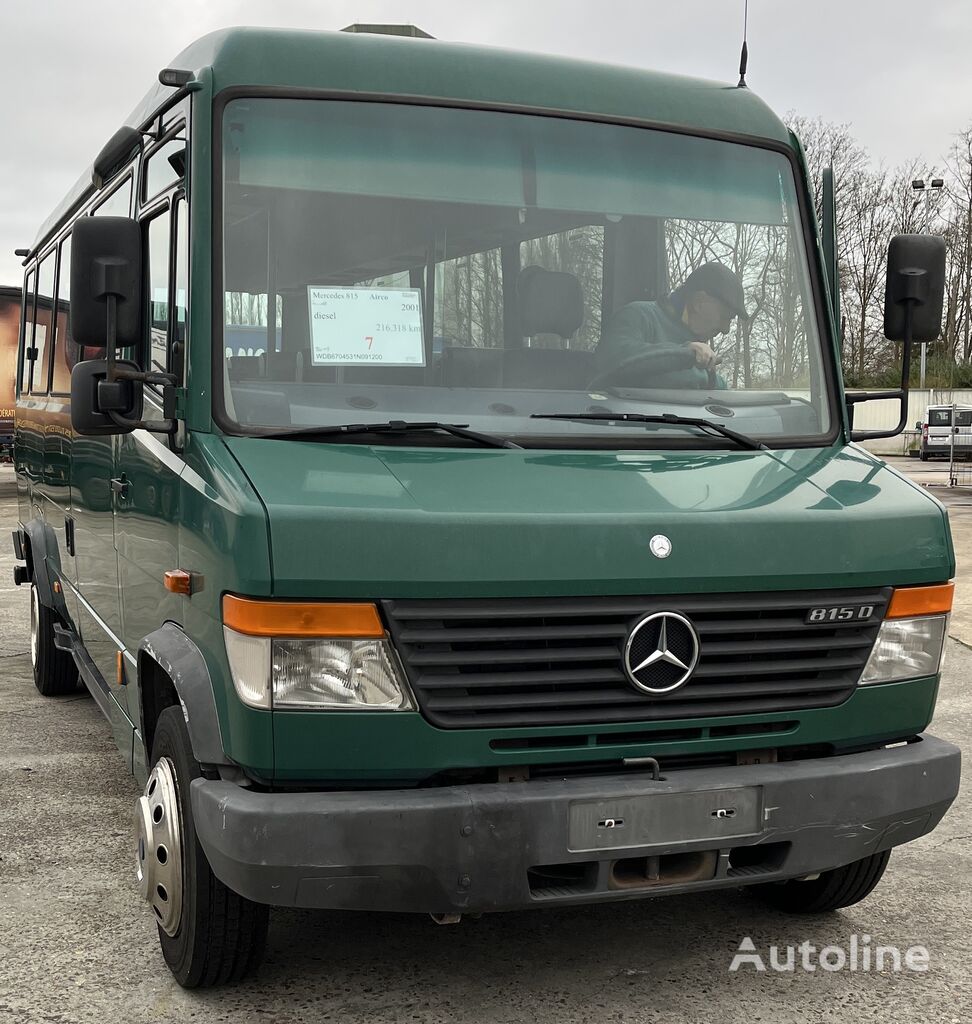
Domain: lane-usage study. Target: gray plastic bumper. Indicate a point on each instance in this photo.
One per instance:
(478, 848)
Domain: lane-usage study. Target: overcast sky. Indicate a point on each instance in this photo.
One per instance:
(899, 72)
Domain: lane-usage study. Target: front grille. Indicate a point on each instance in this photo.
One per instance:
(558, 661)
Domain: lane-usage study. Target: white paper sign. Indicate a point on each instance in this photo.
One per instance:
(366, 326)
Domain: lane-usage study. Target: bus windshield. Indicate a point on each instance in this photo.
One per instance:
(389, 261)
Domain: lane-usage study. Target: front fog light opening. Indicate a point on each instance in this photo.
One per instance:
(907, 649)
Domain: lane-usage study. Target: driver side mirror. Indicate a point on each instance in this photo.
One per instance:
(915, 288)
(913, 299)
(106, 279)
(106, 269)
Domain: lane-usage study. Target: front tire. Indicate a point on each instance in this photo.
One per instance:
(832, 890)
(209, 934)
(54, 671)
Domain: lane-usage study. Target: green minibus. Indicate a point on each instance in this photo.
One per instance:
(444, 484)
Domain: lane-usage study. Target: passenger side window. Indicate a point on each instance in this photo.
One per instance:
(26, 334)
(164, 166)
(64, 352)
(157, 276)
(43, 326)
(118, 204)
(180, 298)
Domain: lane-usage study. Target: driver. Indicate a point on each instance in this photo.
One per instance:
(703, 306)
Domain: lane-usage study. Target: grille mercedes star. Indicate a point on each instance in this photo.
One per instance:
(558, 661)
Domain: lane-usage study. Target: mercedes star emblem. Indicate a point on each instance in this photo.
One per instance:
(661, 652)
(660, 546)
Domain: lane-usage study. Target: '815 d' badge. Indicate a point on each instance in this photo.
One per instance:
(840, 613)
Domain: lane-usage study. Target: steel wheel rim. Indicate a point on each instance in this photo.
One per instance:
(158, 846)
(34, 625)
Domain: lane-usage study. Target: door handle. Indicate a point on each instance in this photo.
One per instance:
(119, 484)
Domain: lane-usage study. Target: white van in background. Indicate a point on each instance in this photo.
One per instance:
(937, 428)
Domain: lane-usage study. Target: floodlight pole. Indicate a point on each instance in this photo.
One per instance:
(926, 188)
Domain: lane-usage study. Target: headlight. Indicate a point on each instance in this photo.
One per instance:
(337, 674)
(907, 649)
(911, 641)
(280, 655)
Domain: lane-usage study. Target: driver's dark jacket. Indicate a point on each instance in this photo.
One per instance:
(655, 325)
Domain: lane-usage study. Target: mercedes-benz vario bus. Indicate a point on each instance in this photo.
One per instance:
(445, 486)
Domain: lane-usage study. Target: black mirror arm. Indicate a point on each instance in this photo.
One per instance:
(168, 380)
(148, 377)
(154, 426)
(908, 301)
(111, 333)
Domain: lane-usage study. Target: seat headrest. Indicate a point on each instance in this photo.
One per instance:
(550, 302)
(246, 367)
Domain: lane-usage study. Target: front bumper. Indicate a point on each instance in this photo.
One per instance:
(579, 840)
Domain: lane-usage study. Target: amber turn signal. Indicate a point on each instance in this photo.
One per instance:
(301, 618)
(179, 582)
(908, 602)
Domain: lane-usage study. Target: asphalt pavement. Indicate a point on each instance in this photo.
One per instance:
(77, 945)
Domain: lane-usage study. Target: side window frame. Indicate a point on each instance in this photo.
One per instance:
(27, 315)
(57, 339)
(162, 207)
(38, 389)
(179, 249)
(171, 131)
(127, 179)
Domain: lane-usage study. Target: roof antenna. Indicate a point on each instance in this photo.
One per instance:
(744, 55)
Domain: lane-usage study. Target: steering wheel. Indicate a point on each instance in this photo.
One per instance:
(648, 364)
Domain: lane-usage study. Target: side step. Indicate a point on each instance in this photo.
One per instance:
(68, 641)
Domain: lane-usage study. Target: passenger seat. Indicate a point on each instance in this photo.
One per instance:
(549, 302)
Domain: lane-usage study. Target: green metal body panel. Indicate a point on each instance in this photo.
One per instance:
(352, 521)
(389, 66)
(223, 537)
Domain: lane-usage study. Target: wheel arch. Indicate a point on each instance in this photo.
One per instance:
(172, 671)
(41, 553)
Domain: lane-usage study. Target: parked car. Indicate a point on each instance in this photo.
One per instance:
(940, 424)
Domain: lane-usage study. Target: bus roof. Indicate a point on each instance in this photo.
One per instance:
(396, 66)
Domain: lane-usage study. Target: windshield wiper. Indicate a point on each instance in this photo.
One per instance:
(394, 427)
(666, 418)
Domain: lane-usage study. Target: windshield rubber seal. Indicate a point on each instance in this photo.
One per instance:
(827, 345)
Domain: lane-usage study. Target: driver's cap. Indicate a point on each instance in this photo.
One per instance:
(718, 280)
